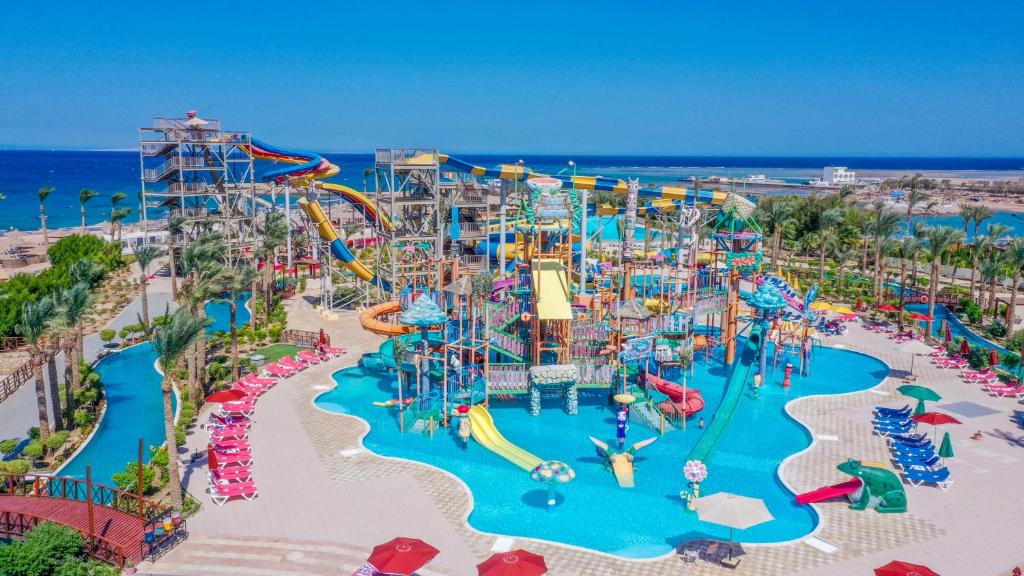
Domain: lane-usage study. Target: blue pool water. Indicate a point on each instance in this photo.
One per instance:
(956, 328)
(134, 410)
(219, 314)
(134, 405)
(649, 519)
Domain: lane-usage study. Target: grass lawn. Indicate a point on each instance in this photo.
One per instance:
(275, 352)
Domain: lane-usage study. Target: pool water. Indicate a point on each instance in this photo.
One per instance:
(219, 314)
(135, 409)
(594, 512)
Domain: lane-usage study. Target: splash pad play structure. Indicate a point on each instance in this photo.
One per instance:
(523, 349)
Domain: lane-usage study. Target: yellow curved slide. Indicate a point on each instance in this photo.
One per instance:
(483, 430)
(368, 320)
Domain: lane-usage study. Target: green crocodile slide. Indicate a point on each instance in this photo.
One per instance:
(734, 387)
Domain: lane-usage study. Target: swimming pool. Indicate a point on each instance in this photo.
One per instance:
(219, 314)
(134, 410)
(956, 328)
(648, 520)
(135, 406)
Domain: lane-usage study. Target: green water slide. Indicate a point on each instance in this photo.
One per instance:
(734, 387)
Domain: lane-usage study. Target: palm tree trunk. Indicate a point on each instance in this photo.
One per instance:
(864, 259)
(776, 244)
(42, 220)
(903, 287)
(201, 357)
(41, 409)
(878, 274)
(932, 291)
(974, 270)
(173, 474)
(83, 217)
(143, 285)
(821, 264)
(234, 339)
(172, 264)
(1012, 308)
(51, 373)
(69, 383)
(993, 304)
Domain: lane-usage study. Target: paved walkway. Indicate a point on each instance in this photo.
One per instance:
(18, 413)
(325, 501)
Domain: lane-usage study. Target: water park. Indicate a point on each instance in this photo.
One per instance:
(583, 368)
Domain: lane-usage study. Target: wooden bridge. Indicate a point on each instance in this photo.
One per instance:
(118, 527)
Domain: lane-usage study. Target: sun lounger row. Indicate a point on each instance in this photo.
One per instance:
(914, 454)
(288, 366)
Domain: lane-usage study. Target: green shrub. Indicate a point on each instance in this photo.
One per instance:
(979, 357)
(56, 440)
(84, 418)
(128, 479)
(160, 320)
(15, 466)
(973, 313)
(997, 330)
(8, 446)
(34, 449)
(46, 547)
(33, 432)
(275, 332)
(107, 334)
(123, 333)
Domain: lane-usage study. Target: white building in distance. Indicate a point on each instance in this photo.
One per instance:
(838, 176)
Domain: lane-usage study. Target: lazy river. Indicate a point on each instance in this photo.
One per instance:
(595, 513)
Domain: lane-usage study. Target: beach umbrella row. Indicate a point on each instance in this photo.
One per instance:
(404, 556)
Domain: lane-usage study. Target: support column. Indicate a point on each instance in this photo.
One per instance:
(534, 400)
(572, 398)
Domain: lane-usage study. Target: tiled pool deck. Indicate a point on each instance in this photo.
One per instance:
(324, 501)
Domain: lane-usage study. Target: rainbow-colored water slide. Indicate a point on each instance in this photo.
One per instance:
(310, 168)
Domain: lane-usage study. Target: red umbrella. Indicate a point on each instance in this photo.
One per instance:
(888, 308)
(211, 457)
(402, 556)
(323, 337)
(965, 348)
(900, 568)
(514, 563)
(935, 418)
(920, 317)
(993, 357)
(949, 334)
(859, 305)
(222, 396)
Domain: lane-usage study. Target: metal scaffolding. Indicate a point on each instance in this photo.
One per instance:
(193, 169)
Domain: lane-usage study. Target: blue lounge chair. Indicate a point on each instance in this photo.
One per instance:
(896, 442)
(893, 427)
(910, 439)
(921, 476)
(916, 462)
(882, 410)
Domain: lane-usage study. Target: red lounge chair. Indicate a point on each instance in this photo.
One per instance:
(229, 433)
(228, 445)
(228, 475)
(292, 364)
(1011, 389)
(253, 379)
(332, 352)
(275, 369)
(228, 459)
(221, 493)
(312, 357)
(221, 421)
(238, 408)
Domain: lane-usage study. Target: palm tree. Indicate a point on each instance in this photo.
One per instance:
(827, 223)
(981, 213)
(1014, 256)
(981, 246)
(84, 195)
(366, 174)
(170, 342)
(145, 256)
(174, 223)
(233, 282)
(773, 215)
(200, 268)
(885, 224)
(914, 197)
(990, 269)
(85, 271)
(44, 193)
(842, 253)
(36, 320)
(74, 305)
(275, 231)
(940, 238)
(117, 217)
(910, 247)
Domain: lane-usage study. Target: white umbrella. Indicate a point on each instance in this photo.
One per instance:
(914, 347)
(732, 510)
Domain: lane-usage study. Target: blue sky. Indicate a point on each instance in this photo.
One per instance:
(771, 78)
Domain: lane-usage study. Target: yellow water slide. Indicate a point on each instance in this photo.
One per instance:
(551, 289)
(486, 433)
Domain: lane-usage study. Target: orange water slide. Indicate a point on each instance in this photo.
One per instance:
(369, 319)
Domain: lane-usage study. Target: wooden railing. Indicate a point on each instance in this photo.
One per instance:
(150, 512)
(13, 381)
(302, 338)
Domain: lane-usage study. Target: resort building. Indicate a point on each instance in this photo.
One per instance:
(838, 176)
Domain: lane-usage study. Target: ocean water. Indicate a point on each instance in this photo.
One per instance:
(23, 172)
(645, 521)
